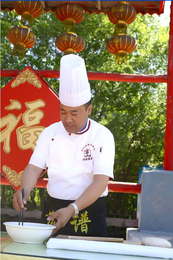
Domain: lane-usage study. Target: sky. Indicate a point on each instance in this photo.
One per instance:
(165, 18)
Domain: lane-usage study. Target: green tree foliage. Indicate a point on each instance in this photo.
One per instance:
(134, 112)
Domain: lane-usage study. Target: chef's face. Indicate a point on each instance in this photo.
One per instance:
(74, 118)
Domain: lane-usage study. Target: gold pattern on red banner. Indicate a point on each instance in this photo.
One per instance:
(28, 106)
(12, 175)
(29, 76)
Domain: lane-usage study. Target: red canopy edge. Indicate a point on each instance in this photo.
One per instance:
(96, 76)
(151, 12)
(161, 7)
(145, 7)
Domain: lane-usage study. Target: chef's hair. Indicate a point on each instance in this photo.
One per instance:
(87, 104)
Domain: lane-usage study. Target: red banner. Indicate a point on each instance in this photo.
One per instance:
(28, 105)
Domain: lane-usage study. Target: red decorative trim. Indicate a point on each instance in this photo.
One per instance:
(80, 133)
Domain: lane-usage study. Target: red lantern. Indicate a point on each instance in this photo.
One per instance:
(70, 42)
(29, 9)
(22, 38)
(70, 14)
(121, 45)
(122, 14)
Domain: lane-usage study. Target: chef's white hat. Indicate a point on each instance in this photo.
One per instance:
(74, 87)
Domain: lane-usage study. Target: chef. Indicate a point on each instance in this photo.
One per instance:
(79, 155)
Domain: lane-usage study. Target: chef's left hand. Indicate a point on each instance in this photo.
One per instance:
(62, 215)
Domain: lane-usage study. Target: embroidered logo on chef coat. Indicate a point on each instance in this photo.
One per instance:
(87, 152)
(82, 222)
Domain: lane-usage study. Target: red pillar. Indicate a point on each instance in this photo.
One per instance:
(168, 159)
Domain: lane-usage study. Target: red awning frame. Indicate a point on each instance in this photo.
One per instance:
(168, 156)
(91, 7)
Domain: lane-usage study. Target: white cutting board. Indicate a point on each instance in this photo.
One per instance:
(110, 248)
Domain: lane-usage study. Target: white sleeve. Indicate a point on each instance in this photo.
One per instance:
(104, 154)
(38, 157)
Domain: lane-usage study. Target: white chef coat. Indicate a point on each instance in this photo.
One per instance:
(73, 159)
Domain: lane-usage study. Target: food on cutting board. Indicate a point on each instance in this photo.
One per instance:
(155, 241)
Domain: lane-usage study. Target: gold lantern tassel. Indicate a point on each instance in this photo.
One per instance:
(69, 51)
(19, 50)
(68, 25)
(121, 57)
(27, 18)
(120, 27)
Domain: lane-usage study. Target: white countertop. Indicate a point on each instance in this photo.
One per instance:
(40, 250)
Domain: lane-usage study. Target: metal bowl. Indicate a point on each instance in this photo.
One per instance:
(33, 233)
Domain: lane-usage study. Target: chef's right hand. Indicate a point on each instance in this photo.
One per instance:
(17, 199)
